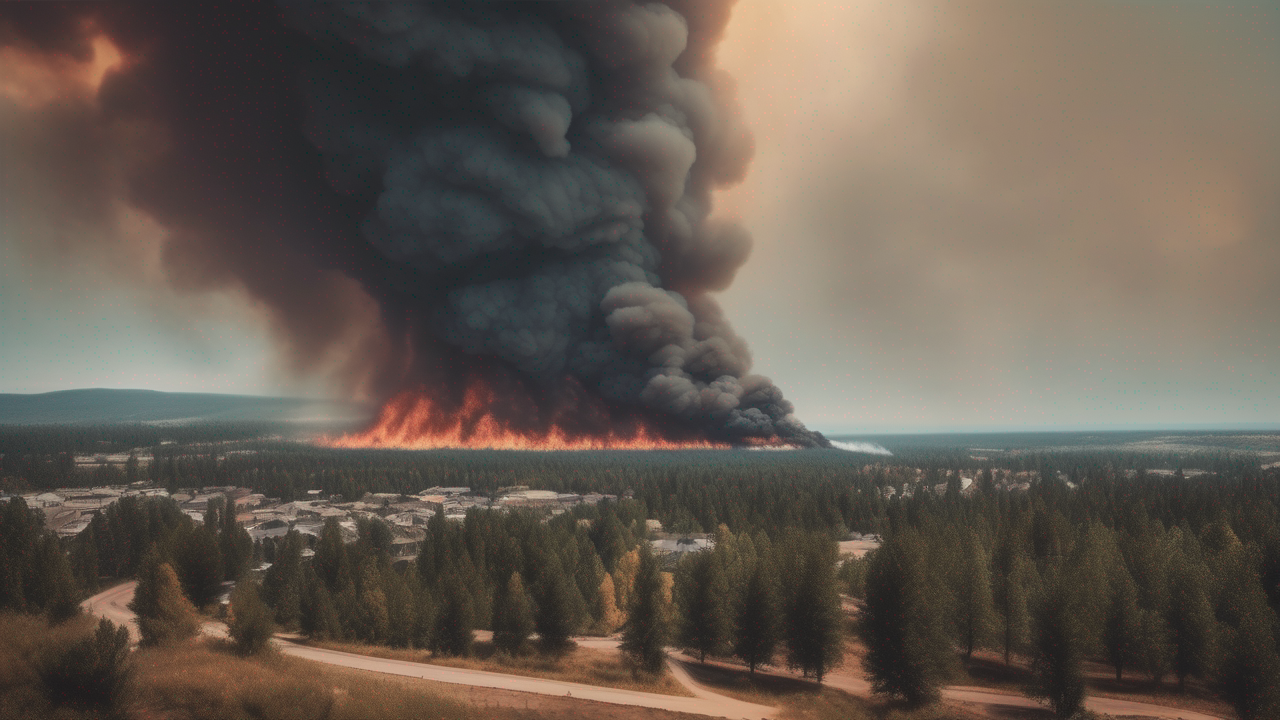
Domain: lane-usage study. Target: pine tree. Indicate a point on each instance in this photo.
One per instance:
(906, 647)
(1249, 675)
(455, 620)
(164, 613)
(1191, 620)
(974, 605)
(317, 615)
(94, 671)
(372, 617)
(234, 542)
(61, 594)
(813, 618)
(84, 560)
(1057, 671)
(624, 578)
(757, 618)
(644, 636)
(199, 565)
(282, 583)
(1155, 651)
(608, 616)
(705, 619)
(424, 617)
(513, 619)
(401, 608)
(249, 619)
(1122, 626)
(330, 561)
(559, 609)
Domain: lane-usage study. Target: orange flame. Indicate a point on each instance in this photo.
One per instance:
(413, 421)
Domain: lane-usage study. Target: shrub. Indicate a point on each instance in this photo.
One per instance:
(250, 619)
(164, 613)
(94, 670)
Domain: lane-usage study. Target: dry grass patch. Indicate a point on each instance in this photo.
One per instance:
(588, 666)
(27, 641)
(987, 670)
(204, 680)
(800, 699)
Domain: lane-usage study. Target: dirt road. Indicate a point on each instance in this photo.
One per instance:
(113, 604)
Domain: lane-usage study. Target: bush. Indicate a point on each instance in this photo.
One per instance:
(250, 621)
(164, 613)
(92, 671)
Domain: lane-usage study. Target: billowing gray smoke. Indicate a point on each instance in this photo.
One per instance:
(554, 185)
(535, 180)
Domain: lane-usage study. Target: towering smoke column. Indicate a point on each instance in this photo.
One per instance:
(523, 188)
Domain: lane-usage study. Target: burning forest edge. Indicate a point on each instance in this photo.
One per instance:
(507, 208)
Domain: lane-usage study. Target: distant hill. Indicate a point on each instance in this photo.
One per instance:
(105, 407)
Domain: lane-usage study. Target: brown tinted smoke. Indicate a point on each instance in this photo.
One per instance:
(523, 189)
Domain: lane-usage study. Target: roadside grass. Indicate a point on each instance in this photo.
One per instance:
(25, 642)
(987, 670)
(800, 699)
(588, 666)
(204, 680)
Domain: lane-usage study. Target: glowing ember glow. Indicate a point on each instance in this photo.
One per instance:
(412, 421)
(31, 79)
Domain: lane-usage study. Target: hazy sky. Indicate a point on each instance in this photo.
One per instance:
(965, 215)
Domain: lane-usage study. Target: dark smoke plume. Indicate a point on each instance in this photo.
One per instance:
(523, 188)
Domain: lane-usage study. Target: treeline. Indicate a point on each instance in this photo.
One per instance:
(1179, 581)
(35, 574)
(733, 600)
(510, 572)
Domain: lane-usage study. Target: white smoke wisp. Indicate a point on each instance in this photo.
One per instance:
(861, 447)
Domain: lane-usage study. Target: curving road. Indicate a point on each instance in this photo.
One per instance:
(113, 605)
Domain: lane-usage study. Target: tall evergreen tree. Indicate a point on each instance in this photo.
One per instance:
(706, 620)
(372, 621)
(559, 607)
(199, 565)
(906, 646)
(1013, 583)
(455, 620)
(644, 636)
(1249, 675)
(608, 616)
(164, 613)
(234, 542)
(1122, 626)
(757, 618)
(513, 619)
(401, 608)
(249, 619)
(974, 606)
(317, 614)
(84, 560)
(330, 561)
(424, 616)
(813, 619)
(1057, 665)
(1191, 620)
(282, 582)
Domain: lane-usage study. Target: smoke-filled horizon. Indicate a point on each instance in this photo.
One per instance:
(965, 215)
(438, 196)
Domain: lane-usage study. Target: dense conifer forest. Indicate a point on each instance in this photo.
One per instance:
(1054, 558)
